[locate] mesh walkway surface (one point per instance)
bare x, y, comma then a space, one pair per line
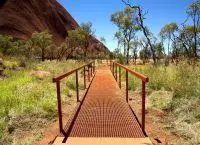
104, 113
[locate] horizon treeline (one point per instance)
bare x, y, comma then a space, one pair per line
41, 46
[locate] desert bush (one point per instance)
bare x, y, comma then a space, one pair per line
6, 44
175, 90
23, 93
183, 80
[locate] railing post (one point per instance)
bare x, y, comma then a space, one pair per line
113, 70
116, 72
94, 67
59, 106
88, 73
84, 77
126, 86
143, 106
120, 85
77, 88
91, 69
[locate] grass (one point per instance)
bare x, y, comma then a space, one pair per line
23, 93
175, 90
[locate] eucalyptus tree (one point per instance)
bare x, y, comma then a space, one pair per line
120, 41
159, 48
135, 44
42, 41
145, 53
144, 28
76, 39
168, 32
102, 40
87, 34
126, 21
193, 11
185, 40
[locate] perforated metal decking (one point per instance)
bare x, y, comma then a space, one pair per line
104, 113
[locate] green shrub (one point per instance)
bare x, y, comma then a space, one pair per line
22, 93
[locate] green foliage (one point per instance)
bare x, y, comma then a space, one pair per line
194, 9
168, 29
23, 93
175, 91
79, 36
102, 40
42, 42
6, 44
87, 27
127, 22
182, 79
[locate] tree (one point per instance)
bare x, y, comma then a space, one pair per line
145, 53
6, 44
42, 41
143, 27
193, 11
159, 50
120, 41
76, 39
126, 21
167, 32
87, 34
102, 40
134, 46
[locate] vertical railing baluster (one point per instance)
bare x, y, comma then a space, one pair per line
126, 86
113, 70
116, 72
84, 77
90, 70
110, 64
143, 106
59, 106
120, 85
94, 67
77, 88
88, 73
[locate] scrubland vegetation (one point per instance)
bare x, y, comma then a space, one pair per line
175, 91
28, 96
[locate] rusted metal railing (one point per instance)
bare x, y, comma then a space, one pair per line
144, 79
90, 68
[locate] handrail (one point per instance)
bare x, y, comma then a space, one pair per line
140, 76
60, 77
143, 78
91, 70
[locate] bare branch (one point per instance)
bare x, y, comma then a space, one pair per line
126, 2
141, 23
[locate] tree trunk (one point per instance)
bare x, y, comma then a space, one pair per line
195, 39
84, 55
127, 53
43, 57
146, 35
